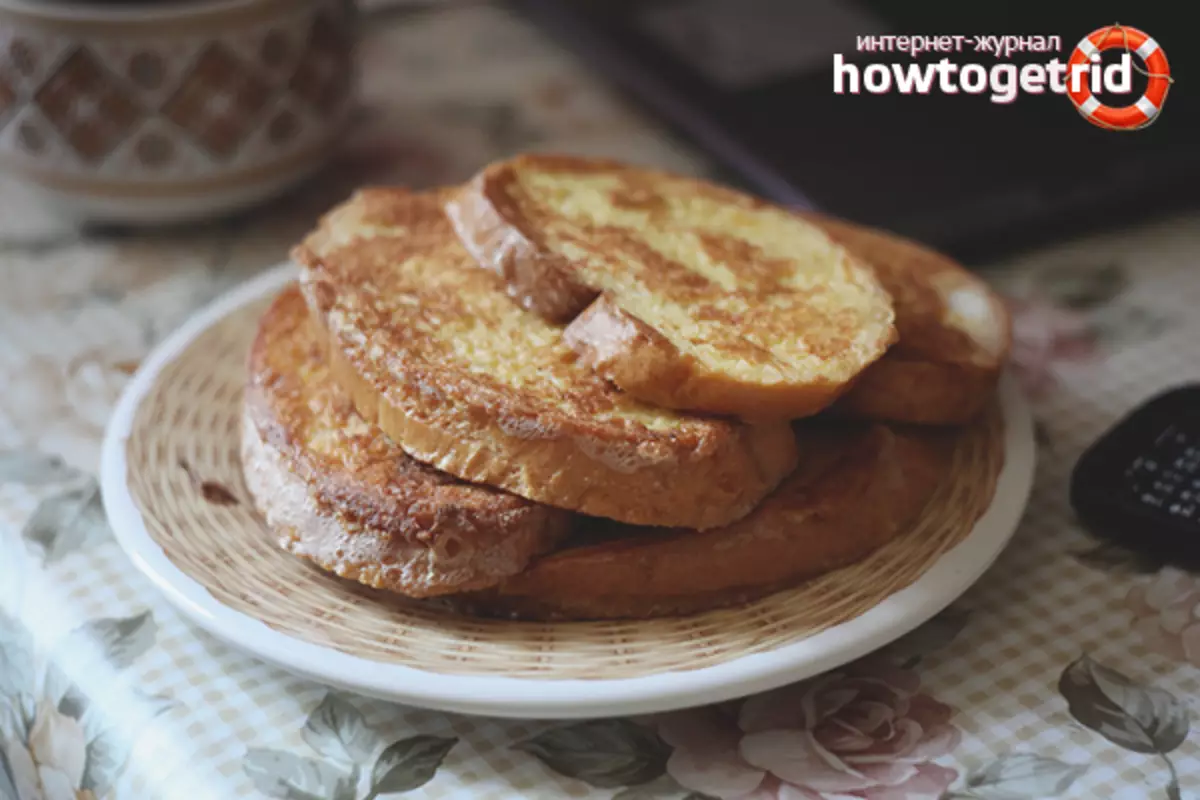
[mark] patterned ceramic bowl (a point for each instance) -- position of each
(165, 111)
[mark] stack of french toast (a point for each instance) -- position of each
(578, 389)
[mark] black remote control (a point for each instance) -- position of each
(1139, 484)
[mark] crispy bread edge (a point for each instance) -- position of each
(907, 387)
(397, 511)
(616, 344)
(586, 474)
(374, 557)
(873, 491)
(325, 290)
(539, 281)
(454, 547)
(393, 508)
(636, 357)
(919, 392)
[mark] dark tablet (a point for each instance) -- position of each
(1140, 483)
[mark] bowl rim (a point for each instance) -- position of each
(129, 10)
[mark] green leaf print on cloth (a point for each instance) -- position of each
(31, 468)
(605, 753)
(64, 520)
(280, 774)
(409, 763)
(355, 761)
(1144, 719)
(337, 730)
(1020, 776)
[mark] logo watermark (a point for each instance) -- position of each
(1080, 77)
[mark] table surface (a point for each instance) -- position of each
(1069, 670)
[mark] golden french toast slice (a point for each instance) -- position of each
(432, 350)
(337, 492)
(955, 333)
(855, 490)
(684, 294)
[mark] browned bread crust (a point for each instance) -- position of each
(955, 334)
(854, 491)
(430, 349)
(337, 492)
(685, 294)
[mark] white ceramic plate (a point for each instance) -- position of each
(949, 577)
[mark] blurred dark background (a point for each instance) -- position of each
(750, 81)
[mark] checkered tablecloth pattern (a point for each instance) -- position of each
(1070, 670)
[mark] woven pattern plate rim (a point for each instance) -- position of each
(548, 696)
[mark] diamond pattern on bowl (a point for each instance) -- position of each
(218, 102)
(23, 56)
(154, 150)
(284, 126)
(7, 97)
(87, 106)
(322, 76)
(31, 138)
(274, 50)
(146, 70)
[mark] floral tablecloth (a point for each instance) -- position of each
(1071, 670)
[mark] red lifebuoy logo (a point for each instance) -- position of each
(1132, 41)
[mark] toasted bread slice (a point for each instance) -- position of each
(433, 351)
(337, 492)
(685, 294)
(955, 334)
(854, 491)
